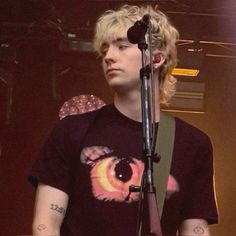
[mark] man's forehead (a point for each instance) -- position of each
(114, 39)
(115, 34)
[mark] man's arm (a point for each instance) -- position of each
(50, 209)
(194, 227)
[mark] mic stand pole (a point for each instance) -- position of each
(148, 217)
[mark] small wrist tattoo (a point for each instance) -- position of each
(199, 230)
(41, 227)
(55, 207)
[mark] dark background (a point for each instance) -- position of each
(45, 67)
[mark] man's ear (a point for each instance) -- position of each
(158, 60)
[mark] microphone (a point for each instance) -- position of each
(136, 33)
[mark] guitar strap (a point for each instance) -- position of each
(164, 147)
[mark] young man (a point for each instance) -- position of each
(86, 166)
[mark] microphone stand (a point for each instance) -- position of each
(148, 216)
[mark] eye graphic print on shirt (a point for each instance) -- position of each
(111, 176)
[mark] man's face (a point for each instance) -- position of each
(121, 63)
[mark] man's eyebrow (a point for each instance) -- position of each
(116, 40)
(104, 44)
(121, 39)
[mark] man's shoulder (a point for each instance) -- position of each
(188, 131)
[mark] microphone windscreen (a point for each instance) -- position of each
(137, 32)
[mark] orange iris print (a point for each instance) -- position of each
(111, 178)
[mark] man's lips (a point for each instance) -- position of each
(112, 70)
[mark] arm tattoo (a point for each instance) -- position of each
(55, 207)
(41, 227)
(199, 230)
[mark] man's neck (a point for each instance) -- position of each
(130, 106)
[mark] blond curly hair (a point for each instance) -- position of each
(164, 38)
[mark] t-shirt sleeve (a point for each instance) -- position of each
(200, 201)
(54, 164)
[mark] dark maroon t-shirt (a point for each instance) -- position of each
(96, 156)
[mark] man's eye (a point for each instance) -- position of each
(103, 52)
(124, 46)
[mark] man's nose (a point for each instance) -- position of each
(110, 55)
